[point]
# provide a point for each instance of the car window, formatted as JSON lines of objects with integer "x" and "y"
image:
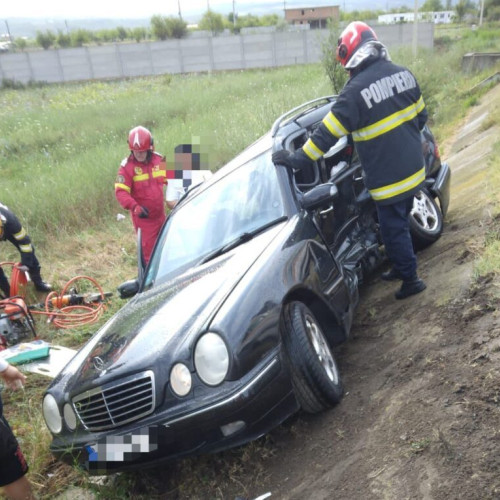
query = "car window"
{"x": 241, "y": 202}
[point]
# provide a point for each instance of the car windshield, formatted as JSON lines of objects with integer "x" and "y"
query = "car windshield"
{"x": 226, "y": 214}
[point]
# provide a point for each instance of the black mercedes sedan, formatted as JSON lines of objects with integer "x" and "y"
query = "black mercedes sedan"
{"x": 231, "y": 328}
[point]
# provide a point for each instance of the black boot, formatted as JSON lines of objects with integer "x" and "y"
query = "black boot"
{"x": 391, "y": 275}
{"x": 410, "y": 287}
{"x": 4, "y": 285}
{"x": 40, "y": 285}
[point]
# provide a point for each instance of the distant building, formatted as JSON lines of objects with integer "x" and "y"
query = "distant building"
{"x": 443, "y": 17}
{"x": 315, "y": 17}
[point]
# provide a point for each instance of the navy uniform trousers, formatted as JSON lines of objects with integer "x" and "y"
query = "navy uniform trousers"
{"x": 395, "y": 231}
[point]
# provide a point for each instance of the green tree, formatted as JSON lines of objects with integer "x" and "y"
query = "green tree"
{"x": 139, "y": 34}
{"x": 80, "y": 37}
{"x": 334, "y": 70}
{"x": 211, "y": 21}
{"x": 492, "y": 10}
{"x": 122, "y": 33}
{"x": 461, "y": 10}
{"x": 21, "y": 43}
{"x": 270, "y": 20}
{"x": 361, "y": 15}
{"x": 45, "y": 39}
{"x": 106, "y": 36}
{"x": 432, "y": 6}
{"x": 63, "y": 39}
{"x": 177, "y": 28}
{"x": 248, "y": 21}
{"x": 159, "y": 27}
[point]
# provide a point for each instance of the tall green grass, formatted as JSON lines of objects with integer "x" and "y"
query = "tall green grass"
{"x": 61, "y": 145}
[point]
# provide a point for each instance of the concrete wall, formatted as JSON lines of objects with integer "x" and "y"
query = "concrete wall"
{"x": 188, "y": 55}
{"x": 475, "y": 62}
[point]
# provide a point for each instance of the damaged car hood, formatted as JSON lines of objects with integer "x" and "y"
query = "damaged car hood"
{"x": 161, "y": 322}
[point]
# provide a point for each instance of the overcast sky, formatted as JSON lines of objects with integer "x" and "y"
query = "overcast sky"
{"x": 137, "y": 9}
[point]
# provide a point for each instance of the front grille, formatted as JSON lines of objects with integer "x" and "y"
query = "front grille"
{"x": 117, "y": 403}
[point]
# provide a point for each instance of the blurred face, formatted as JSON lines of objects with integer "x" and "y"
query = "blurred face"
{"x": 140, "y": 155}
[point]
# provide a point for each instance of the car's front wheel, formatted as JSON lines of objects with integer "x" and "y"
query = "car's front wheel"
{"x": 426, "y": 220}
{"x": 315, "y": 375}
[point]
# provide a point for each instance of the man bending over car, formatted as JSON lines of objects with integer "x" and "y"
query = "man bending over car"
{"x": 381, "y": 106}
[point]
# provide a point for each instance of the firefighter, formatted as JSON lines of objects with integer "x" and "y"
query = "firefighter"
{"x": 12, "y": 230}
{"x": 139, "y": 187}
{"x": 381, "y": 106}
{"x": 13, "y": 466}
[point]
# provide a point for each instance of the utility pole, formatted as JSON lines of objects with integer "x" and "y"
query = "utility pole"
{"x": 415, "y": 29}
{"x": 8, "y": 31}
{"x": 179, "y": 6}
{"x": 481, "y": 14}
{"x": 234, "y": 18}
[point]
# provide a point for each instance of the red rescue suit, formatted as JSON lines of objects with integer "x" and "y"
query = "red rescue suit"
{"x": 142, "y": 183}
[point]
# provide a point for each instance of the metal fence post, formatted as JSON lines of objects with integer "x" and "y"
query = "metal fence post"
{"x": 61, "y": 69}
{"x": 89, "y": 59}
{"x": 120, "y": 61}
{"x": 30, "y": 67}
{"x": 242, "y": 52}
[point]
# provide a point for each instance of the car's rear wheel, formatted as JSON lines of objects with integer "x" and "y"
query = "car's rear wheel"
{"x": 426, "y": 220}
{"x": 315, "y": 375}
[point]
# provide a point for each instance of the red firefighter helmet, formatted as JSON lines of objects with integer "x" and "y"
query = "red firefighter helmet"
{"x": 140, "y": 139}
{"x": 354, "y": 35}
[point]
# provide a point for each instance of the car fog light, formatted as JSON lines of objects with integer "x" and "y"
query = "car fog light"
{"x": 180, "y": 379}
{"x": 211, "y": 359}
{"x": 232, "y": 428}
{"x": 69, "y": 417}
{"x": 51, "y": 414}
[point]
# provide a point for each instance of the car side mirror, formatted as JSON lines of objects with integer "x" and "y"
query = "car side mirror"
{"x": 128, "y": 289}
{"x": 320, "y": 196}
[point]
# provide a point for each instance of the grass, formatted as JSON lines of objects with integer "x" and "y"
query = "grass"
{"x": 60, "y": 148}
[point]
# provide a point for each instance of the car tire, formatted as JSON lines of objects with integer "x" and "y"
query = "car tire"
{"x": 426, "y": 220}
{"x": 315, "y": 375}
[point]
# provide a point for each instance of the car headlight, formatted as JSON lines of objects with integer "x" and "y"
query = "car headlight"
{"x": 51, "y": 414}
{"x": 69, "y": 416}
{"x": 180, "y": 379}
{"x": 211, "y": 359}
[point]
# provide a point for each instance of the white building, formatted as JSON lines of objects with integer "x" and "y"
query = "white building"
{"x": 443, "y": 17}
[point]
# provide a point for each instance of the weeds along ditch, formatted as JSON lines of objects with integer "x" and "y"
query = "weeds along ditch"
{"x": 61, "y": 145}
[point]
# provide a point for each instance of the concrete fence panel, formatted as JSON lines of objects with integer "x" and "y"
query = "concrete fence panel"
{"x": 227, "y": 53}
{"x": 16, "y": 67}
{"x": 75, "y": 64}
{"x": 196, "y": 54}
{"x": 105, "y": 62}
{"x": 167, "y": 57}
{"x": 190, "y": 55}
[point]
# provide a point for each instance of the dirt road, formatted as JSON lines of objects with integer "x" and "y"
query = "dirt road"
{"x": 421, "y": 415}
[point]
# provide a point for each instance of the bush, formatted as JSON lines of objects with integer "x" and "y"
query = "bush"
{"x": 334, "y": 70}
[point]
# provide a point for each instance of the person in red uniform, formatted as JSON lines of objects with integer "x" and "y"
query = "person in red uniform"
{"x": 382, "y": 108}
{"x": 139, "y": 187}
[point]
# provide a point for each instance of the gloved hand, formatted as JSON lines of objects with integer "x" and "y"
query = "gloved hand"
{"x": 283, "y": 157}
{"x": 22, "y": 268}
{"x": 141, "y": 212}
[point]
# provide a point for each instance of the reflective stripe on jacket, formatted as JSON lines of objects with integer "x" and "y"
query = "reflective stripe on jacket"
{"x": 142, "y": 184}
{"x": 383, "y": 109}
